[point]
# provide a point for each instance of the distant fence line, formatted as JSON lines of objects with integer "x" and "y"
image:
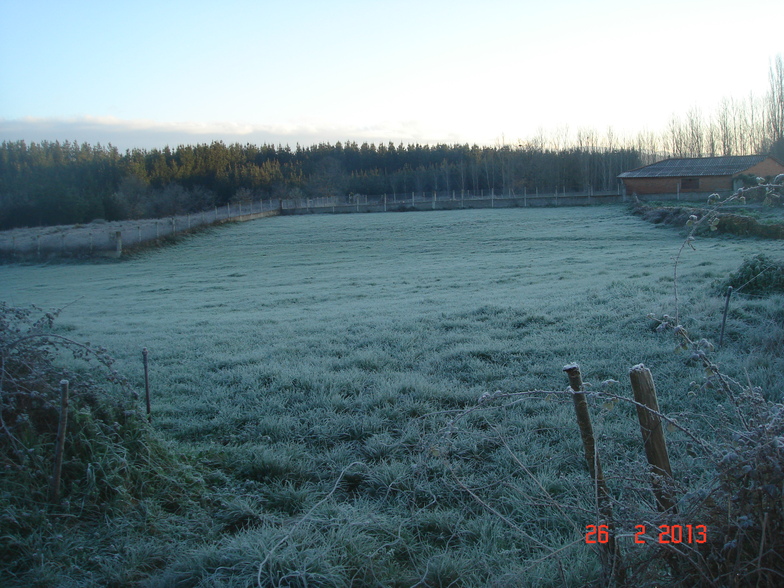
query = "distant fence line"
{"x": 444, "y": 200}
{"x": 454, "y": 199}
{"x": 110, "y": 239}
{"x": 101, "y": 238}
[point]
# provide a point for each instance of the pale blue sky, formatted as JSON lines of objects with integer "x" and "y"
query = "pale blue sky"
{"x": 148, "y": 73}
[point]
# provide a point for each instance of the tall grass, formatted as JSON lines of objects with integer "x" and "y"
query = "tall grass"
{"x": 321, "y": 367}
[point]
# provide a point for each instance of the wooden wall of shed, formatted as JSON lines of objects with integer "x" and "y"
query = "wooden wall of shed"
{"x": 651, "y": 185}
{"x": 767, "y": 167}
{"x": 673, "y": 185}
{"x": 714, "y": 183}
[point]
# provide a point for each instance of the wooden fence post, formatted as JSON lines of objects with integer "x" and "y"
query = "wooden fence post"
{"x": 724, "y": 318}
{"x": 611, "y": 556}
{"x": 146, "y": 384}
{"x": 118, "y": 243}
{"x": 54, "y": 489}
{"x": 653, "y": 435}
{"x": 586, "y": 433}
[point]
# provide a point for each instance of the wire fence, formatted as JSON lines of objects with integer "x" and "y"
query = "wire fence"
{"x": 102, "y": 238}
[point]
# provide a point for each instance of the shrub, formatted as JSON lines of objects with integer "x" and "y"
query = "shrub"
{"x": 112, "y": 463}
{"x": 741, "y": 506}
{"x": 758, "y": 275}
{"x": 746, "y": 510}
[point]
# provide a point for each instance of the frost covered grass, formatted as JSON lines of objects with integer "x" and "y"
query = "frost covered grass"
{"x": 317, "y": 365}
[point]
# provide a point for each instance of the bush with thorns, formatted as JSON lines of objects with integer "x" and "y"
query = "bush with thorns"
{"x": 112, "y": 460}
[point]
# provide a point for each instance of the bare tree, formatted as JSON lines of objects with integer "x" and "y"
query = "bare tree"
{"x": 676, "y": 137}
{"x": 775, "y": 103}
{"x": 694, "y": 130}
{"x": 712, "y": 139}
{"x": 757, "y": 125}
{"x": 741, "y": 127}
{"x": 726, "y": 129}
{"x": 648, "y": 146}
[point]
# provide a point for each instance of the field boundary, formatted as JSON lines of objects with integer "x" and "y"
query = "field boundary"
{"x": 101, "y": 239}
{"x": 740, "y": 225}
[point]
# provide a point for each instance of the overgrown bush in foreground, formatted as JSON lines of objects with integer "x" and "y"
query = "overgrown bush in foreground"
{"x": 740, "y": 503}
{"x": 741, "y": 500}
{"x": 114, "y": 469}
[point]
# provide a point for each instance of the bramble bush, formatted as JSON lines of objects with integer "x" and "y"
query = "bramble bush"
{"x": 741, "y": 501}
{"x": 113, "y": 462}
{"x": 757, "y": 275}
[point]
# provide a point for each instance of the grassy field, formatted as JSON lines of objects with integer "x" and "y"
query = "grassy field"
{"x": 325, "y": 372}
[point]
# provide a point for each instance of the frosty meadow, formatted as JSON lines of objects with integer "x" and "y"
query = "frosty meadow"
{"x": 325, "y": 372}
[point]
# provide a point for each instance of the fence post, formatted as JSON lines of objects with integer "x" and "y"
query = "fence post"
{"x": 653, "y": 435}
{"x": 54, "y": 488}
{"x": 146, "y": 384}
{"x": 724, "y": 318}
{"x": 586, "y": 433}
{"x": 611, "y": 555}
{"x": 118, "y": 243}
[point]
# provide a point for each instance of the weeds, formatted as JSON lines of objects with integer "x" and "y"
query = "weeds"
{"x": 115, "y": 468}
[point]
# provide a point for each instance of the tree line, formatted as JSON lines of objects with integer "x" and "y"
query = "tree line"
{"x": 62, "y": 183}
{"x": 52, "y": 183}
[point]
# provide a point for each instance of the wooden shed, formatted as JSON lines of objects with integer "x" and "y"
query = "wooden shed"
{"x": 698, "y": 174}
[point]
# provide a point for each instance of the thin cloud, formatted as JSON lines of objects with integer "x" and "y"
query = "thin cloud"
{"x": 143, "y": 133}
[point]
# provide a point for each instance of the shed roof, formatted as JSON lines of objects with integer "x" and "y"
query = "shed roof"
{"x": 696, "y": 166}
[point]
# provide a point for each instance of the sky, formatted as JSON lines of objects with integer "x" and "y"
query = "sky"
{"x": 168, "y": 72}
